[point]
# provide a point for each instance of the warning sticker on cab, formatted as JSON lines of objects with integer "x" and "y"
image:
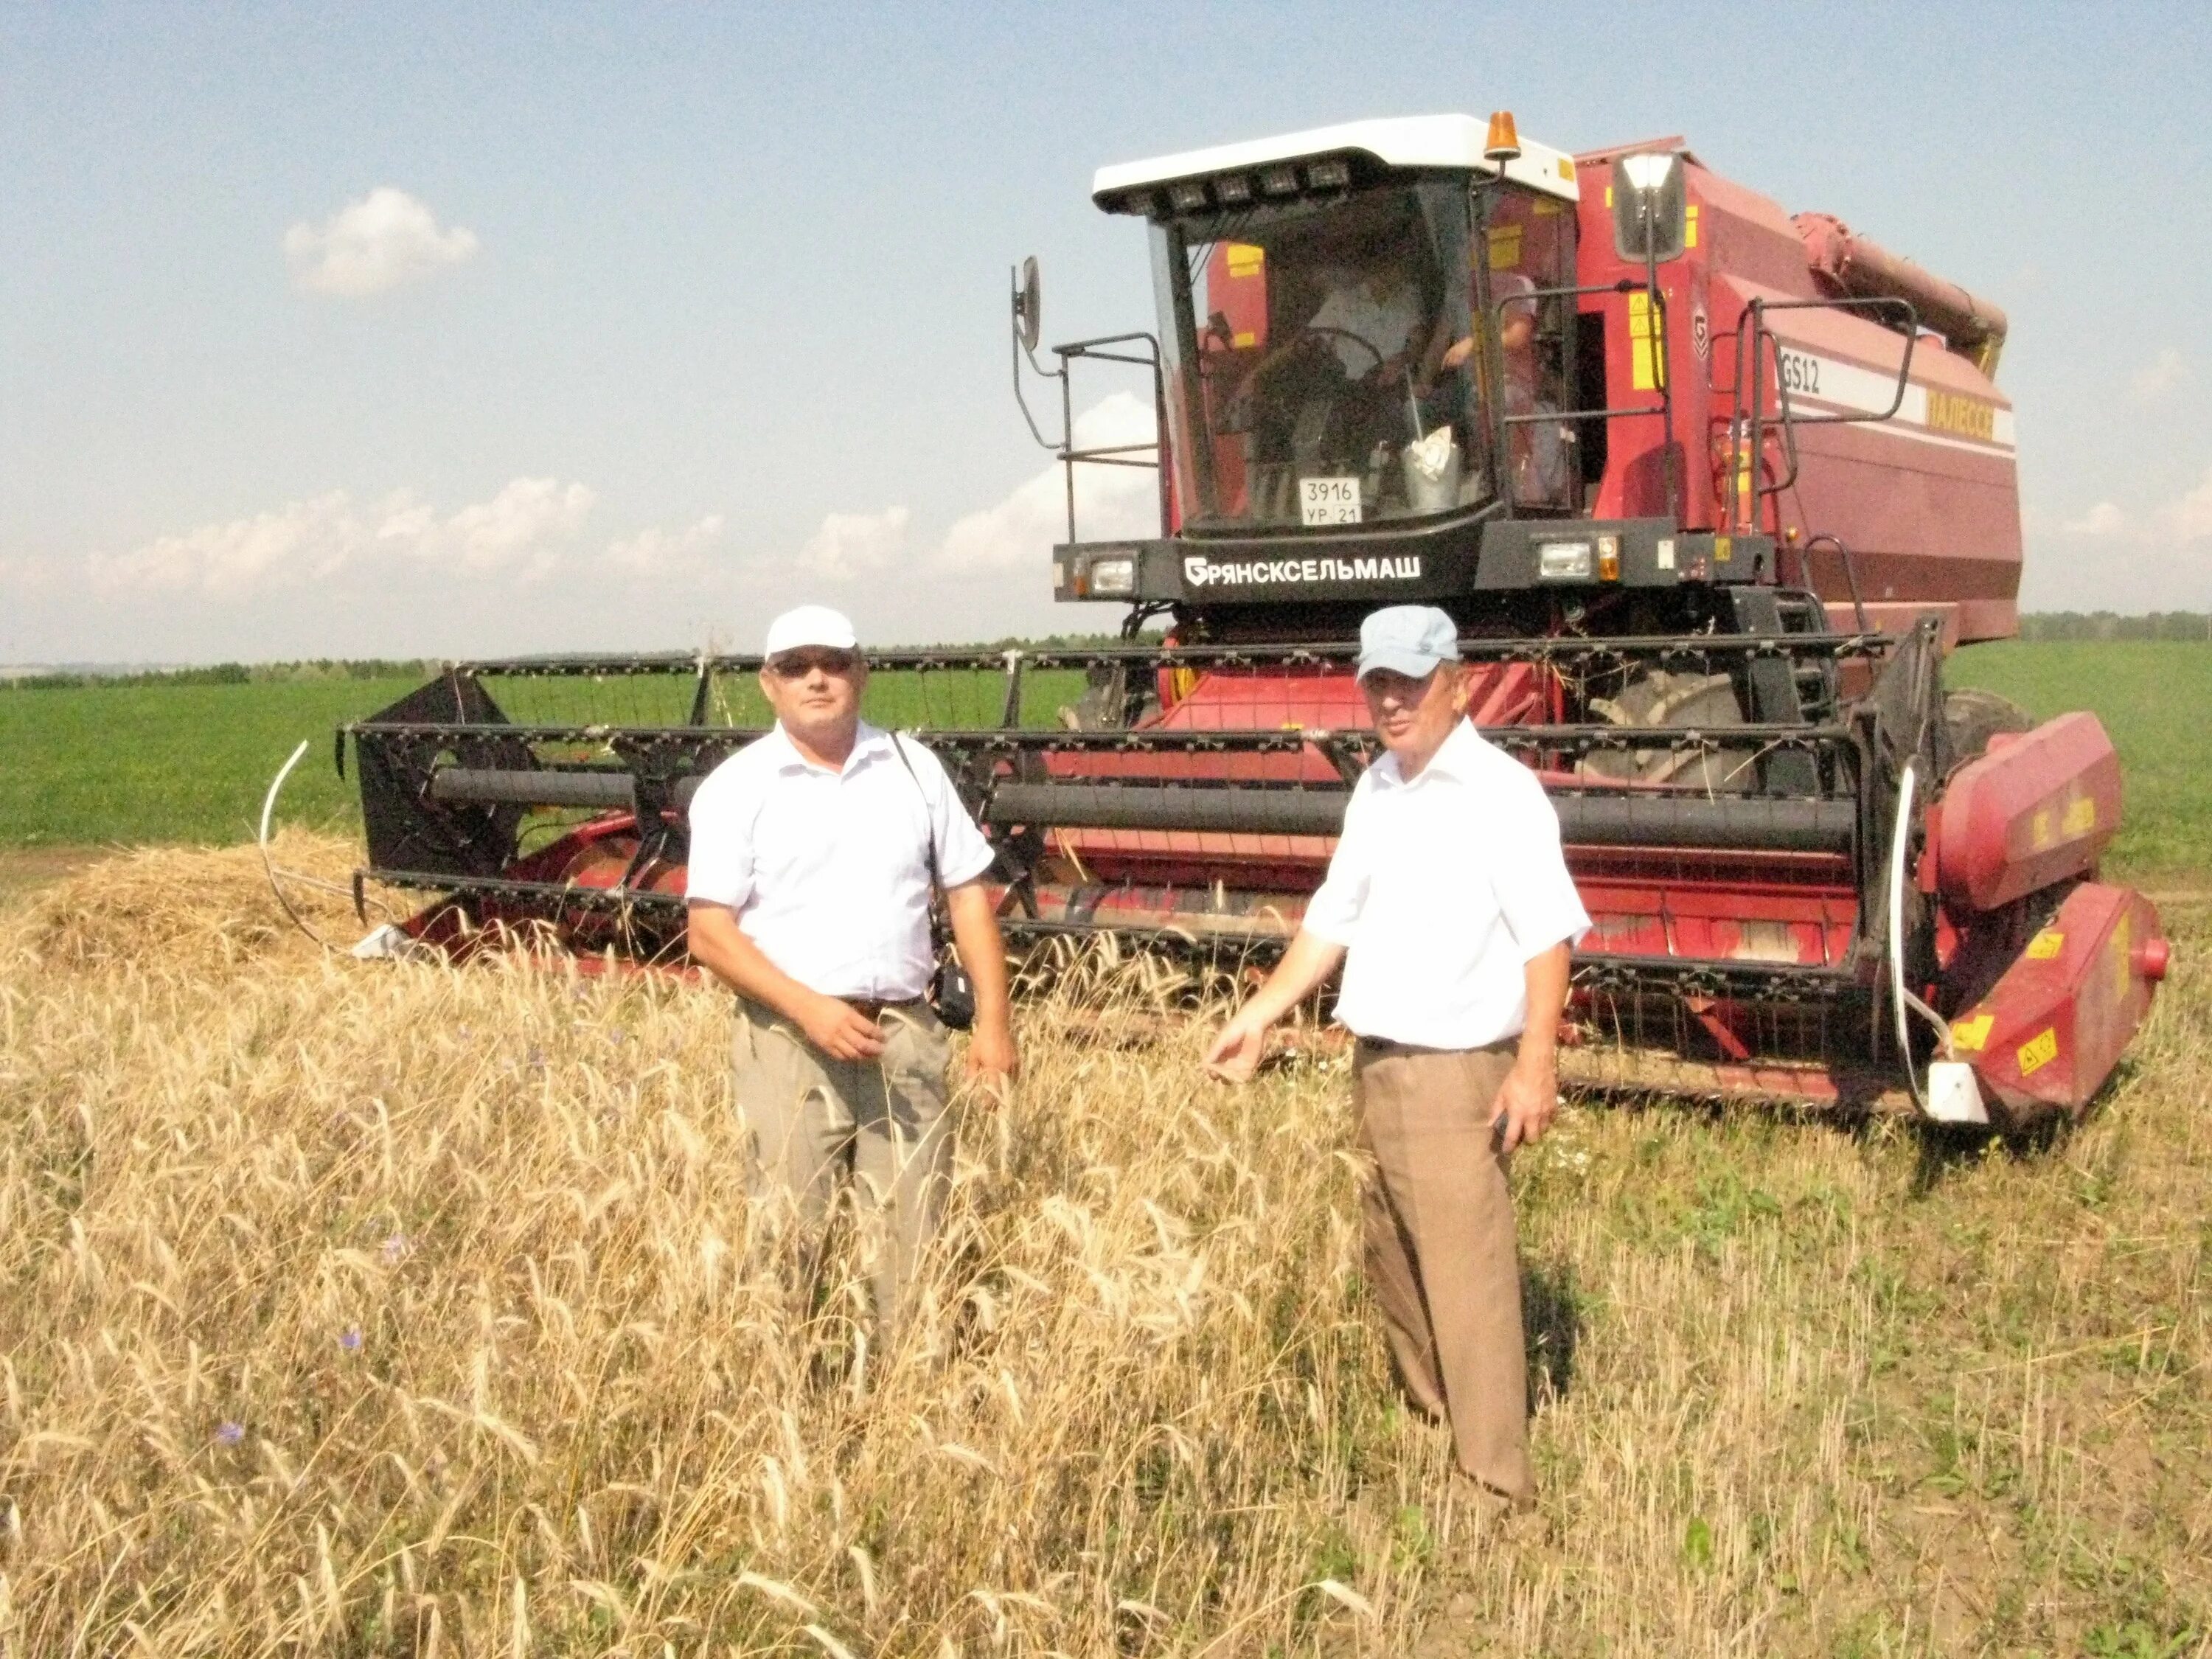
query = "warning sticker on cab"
{"x": 2039, "y": 1051}
{"x": 2045, "y": 944}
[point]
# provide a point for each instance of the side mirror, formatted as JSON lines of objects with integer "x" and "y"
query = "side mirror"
{"x": 1029, "y": 305}
{"x": 1650, "y": 220}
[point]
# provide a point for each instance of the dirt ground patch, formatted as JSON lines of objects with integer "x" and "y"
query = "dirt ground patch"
{"x": 24, "y": 870}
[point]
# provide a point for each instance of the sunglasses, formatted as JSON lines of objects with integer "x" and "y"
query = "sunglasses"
{"x": 797, "y": 665}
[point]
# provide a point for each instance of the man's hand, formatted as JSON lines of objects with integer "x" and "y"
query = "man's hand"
{"x": 1306, "y": 962}
{"x": 838, "y": 1029}
{"x": 993, "y": 1060}
{"x": 1236, "y": 1053}
{"x": 1529, "y": 1099}
{"x": 1526, "y": 1102}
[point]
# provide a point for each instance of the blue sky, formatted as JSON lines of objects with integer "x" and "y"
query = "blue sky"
{"x": 705, "y": 306}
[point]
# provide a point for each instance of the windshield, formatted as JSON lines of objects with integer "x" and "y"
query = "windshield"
{"x": 1314, "y": 378}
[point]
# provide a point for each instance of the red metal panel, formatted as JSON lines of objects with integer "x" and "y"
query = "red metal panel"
{"x": 2036, "y": 809}
{"x": 2053, "y": 1028}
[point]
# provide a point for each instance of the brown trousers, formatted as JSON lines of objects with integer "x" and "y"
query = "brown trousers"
{"x": 813, "y": 1120}
{"x": 1441, "y": 1255}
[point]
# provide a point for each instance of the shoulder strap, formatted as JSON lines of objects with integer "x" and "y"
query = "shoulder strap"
{"x": 928, "y": 816}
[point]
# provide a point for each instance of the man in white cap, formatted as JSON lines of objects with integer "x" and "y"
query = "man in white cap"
{"x": 1450, "y": 905}
{"x": 809, "y": 895}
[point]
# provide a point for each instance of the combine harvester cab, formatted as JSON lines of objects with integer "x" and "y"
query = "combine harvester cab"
{"x": 1711, "y": 492}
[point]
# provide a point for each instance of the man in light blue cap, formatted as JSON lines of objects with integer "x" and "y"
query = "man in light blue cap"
{"x": 1450, "y": 905}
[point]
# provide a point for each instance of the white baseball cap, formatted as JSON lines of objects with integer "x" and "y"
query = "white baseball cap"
{"x": 811, "y": 624}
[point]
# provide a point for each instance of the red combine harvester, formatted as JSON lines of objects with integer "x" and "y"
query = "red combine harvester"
{"x": 1711, "y": 491}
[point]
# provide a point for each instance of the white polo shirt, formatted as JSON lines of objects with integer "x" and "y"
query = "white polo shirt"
{"x": 829, "y": 871}
{"x": 1441, "y": 891}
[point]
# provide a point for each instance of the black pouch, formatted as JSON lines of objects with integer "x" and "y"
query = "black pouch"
{"x": 951, "y": 993}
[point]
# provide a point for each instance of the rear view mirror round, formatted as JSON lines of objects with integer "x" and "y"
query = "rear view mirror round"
{"x": 1028, "y": 304}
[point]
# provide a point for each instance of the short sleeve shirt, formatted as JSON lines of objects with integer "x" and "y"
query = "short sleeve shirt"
{"x": 827, "y": 870}
{"x": 1441, "y": 890}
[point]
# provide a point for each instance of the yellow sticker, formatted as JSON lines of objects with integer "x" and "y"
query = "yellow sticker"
{"x": 1504, "y": 246}
{"x": 2122, "y": 959}
{"x": 1971, "y": 1033}
{"x": 1970, "y": 417}
{"x": 2045, "y": 944}
{"x": 1567, "y": 168}
{"x": 1608, "y": 194}
{"x": 1245, "y": 259}
{"x": 1243, "y": 337}
{"x": 1690, "y": 232}
{"x": 2038, "y": 1051}
{"x": 2040, "y": 831}
{"x": 2081, "y": 816}
{"x": 1647, "y": 331}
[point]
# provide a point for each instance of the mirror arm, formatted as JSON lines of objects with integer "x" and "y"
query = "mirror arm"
{"x": 1020, "y": 349}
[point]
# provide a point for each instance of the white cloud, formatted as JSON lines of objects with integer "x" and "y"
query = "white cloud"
{"x": 1019, "y": 532}
{"x": 2103, "y": 520}
{"x": 386, "y": 238}
{"x": 516, "y": 533}
{"x": 2189, "y": 518}
{"x": 514, "y": 530}
{"x": 850, "y": 544}
{"x": 2160, "y": 375}
{"x": 2184, "y": 520}
{"x": 302, "y": 541}
{"x": 657, "y": 552}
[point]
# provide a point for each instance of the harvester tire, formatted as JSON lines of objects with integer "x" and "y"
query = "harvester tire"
{"x": 1971, "y": 717}
{"x": 1663, "y": 698}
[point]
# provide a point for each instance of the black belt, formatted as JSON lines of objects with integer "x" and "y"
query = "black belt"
{"x": 1378, "y": 1046}
{"x": 872, "y": 1008}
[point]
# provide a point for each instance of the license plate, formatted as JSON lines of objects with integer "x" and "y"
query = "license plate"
{"x": 1328, "y": 500}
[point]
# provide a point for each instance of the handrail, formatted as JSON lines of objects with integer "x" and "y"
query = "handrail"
{"x": 1069, "y": 456}
{"x": 1763, "y": 339}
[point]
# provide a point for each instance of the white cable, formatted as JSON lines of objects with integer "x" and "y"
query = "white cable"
{"x": 1901, "y": 997}
{"x": 268, "y": 864}
{"x": 1898, "y": 839}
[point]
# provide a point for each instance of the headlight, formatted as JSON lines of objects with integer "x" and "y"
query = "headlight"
{"x": 1112, "y": 577}
{"x": 1563, "y": 561}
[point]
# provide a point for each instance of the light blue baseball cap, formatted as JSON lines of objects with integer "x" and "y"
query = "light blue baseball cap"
{"x": 1406, "y": 639}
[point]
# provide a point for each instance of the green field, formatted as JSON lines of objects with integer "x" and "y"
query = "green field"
{"x": 2152, "y": 697}
{"x": 87, "y": 765}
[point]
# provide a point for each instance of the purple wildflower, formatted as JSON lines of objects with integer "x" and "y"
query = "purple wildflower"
{"x": 396, "y": 1247}
{"x": 349, "y": 1338}
{"x": 229, "y": 1434}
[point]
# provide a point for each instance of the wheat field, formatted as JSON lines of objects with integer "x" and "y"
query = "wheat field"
{"x": 396, "y": 1308}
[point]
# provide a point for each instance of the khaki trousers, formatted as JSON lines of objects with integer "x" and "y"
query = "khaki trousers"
{"x": 813, "y": 1121}
{"x": 1441, "y": 1256}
